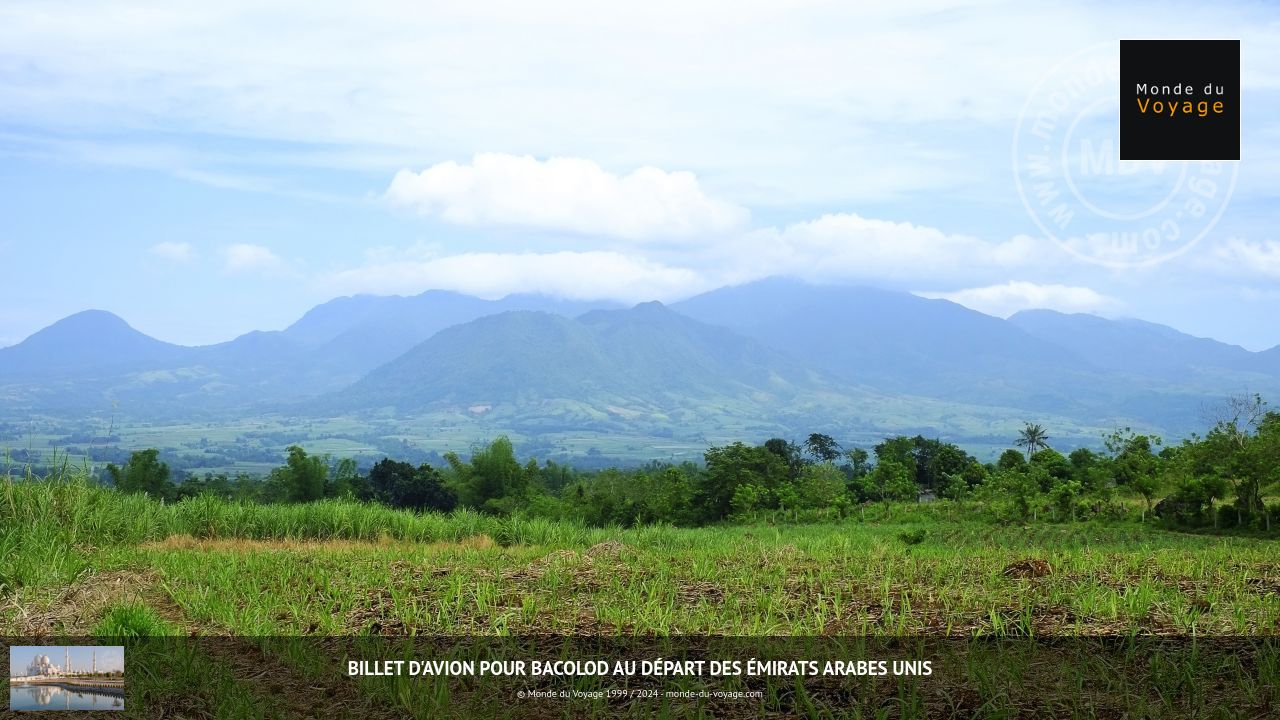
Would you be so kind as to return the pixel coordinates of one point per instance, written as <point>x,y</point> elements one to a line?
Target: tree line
<point>1216,480</point>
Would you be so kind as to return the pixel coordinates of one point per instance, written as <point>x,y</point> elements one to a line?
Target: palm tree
<point>1033,437</point>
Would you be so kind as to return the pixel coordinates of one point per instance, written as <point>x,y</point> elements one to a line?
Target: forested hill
<point>643,360</point>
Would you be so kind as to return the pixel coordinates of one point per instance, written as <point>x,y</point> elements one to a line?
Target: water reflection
<point>43,694</point>
<point>57,697</point>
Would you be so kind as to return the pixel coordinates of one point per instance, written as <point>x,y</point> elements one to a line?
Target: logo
<point>1180,99</point>
<point>1075,186</point>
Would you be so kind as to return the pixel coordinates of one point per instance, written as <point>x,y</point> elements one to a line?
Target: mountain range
<point>94,358</point>
<point>775,355</point>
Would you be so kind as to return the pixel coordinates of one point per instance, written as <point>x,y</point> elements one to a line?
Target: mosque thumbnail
<point>42,666</point>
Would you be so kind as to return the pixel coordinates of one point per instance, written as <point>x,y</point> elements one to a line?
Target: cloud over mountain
<point>567,194</point>
<point>1008,298</point>
<point>592,275</point>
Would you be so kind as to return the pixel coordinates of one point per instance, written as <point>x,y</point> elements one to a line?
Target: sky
<point>206,169</point>
<point>110,657</point>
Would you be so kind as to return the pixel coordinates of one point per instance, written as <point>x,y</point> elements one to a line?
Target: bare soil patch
<point>1027,568</point>
<point>82,604</point>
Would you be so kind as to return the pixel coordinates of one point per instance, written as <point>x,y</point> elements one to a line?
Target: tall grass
<point>47,526</point>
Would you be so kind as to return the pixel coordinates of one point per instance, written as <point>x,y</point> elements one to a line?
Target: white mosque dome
<point>42,665</point>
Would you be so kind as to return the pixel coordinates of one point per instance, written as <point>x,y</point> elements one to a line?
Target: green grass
<point>797,581</point>
<point>335,568</point>
<point>51,529</point>
<point>919,573</point>
<point>130,620</point>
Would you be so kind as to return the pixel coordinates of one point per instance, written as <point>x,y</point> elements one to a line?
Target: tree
<point>954,487</point>
<point>1033,437</point>
<point>347,482</point>
<point>217,485</point>
<point>1238,456</point>
<point>789,452</point>
<point>1266,442</point>
<point>1054,468</point>
<point>1064,497</point>
<point>670,495</point>
<point>304,477</point>
<point>1193,498</point>
<point>1135,466</point>
<point>974,473</point>
<point>493,481</point>
<point>937,460</point>
<point>822,447</point>
<point>425,490</point>
<point>555,476</point>
<point>1019,489</point>
<point>1089,469</point>
<point>899,450</point>
<point>1250,434</point>
<point>385,478</point>
<point>731,466</point>
<point>143,473</point>
<point>747,500</point>
<point>1011,460</point>
<point>859,462</point>
<point>893,482</point>
<point>822,486</point>
<point>787,498</point>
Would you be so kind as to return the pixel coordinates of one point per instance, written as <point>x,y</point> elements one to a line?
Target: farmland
<point>253,443</point>
<point>88,560</point>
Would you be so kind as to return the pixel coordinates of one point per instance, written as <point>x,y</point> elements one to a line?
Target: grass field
<point>336,567</point>
<point>86,560</point>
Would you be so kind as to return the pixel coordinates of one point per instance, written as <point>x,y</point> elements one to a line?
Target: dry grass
<point>79,606</point>
<point>248,546</point>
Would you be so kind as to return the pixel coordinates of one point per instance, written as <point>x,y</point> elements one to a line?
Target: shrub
<point>914,536</point>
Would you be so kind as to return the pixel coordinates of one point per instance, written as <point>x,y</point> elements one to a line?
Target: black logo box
<point>1187,68</point>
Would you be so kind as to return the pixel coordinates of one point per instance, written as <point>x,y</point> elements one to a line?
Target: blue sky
<point>110,657</point>
<point>206,169</point>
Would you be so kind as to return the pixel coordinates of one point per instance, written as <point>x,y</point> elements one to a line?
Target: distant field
<point>201,447</point>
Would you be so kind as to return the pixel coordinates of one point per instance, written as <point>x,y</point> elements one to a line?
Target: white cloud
<point>808,98</point>
<point>592,275</point>
<point>179,252</point>
<point>563,193</point>
<point>1237,256</point>
<point>832,248</point>
<point>244,257</point>
<point>1008,298</point>
<point>847,246</point>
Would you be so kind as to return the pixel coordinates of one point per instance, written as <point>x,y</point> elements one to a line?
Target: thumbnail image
<point>44,677</point>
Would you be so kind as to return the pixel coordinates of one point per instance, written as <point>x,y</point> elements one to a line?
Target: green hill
<point>645,360</point>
